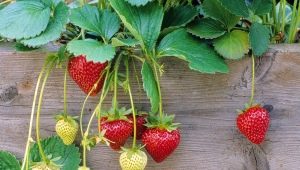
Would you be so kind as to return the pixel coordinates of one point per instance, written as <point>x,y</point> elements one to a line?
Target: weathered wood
<point>204,104</point>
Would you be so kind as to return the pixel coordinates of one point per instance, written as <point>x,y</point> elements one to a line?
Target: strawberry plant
<point>97,38</point>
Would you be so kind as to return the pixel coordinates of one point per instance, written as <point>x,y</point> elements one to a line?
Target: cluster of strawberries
<point>160,139</point>
<point>159,136</point>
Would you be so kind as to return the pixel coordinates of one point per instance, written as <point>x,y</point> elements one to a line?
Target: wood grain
<point>204,104</point>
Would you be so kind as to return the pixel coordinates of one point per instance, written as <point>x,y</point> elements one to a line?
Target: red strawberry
<point>117,131</point>
<point>160,143</point>
<point>140,127</point>
<point>86,73</point>
<point>162,137</point>
<point>254,123</point>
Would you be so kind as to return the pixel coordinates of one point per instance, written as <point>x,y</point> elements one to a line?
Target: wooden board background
<point>204,104</point>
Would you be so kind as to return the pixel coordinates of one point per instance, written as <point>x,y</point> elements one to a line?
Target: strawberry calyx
<point>83,168</point>
<point>131,151</point>
<point>43,165</point>
<point>164,123</point>
<point>94,140</point>
<point>247,107</point>
<point>142,113</point>
<point>111,114</point>
<point>67,118</point>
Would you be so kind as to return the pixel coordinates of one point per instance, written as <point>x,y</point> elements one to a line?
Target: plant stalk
<point>252,81</point>
<point>159,89</point>
<point>84,103</point>
<point>41,151</point>
<point>6,1</point>
<point>103,94</point>
<point>294,22</point>
<point>132,105</point>
<point>283,4</point>
<point>116,71</point>
<point>275,17</point>
<point>65,93</point>
<point>26,154</point>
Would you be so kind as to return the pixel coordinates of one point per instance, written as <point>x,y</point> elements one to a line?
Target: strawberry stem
<point>252,81</point>
<point>159,89</point>
<point>41,151</point>
<point>26,154</point>
<point>101,4</point>
<point>103,94</point>
<point>85,100</point>
<point>65,93</point>
<point>6,1</point>
<point>84,155</point>
<point>137,80</point>
<point>98,107</point>
<point>116,70</point>
<point>102,97</point>
<point>132,105</point>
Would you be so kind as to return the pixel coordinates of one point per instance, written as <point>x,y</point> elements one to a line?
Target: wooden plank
<point>204,104</point>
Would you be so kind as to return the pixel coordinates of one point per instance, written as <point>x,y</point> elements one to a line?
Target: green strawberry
<point>44,166</point>
<point>66,128</point>
<point>133,159</point>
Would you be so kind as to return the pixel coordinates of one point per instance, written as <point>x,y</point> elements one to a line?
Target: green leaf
<point>143,22</point>
<point>214,9</point>
<point>233,45</point>
<point>178,17</point>
<point>207,28</point>
<point>24,19</point>
<point>68,157</point>
<point>53,30</point>
<point>138,2</point>
<point>259,38</point>
<point>199,55</point>
<point>8,161</point>
<point>260,7</point>
<point>2,6</point>
<point>129,42</point>
<point>21,47</point>
<point>102,22</point>
<point>237,7</point>
<point>150,86</point>
<point>92,49</point>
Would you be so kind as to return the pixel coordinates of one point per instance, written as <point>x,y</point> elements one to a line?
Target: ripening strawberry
<point>86,73</point>
<point>254,123</point>
<point>161,138</point>
<point>160,143</point>
<point>66,128</point>
<point>133,160</point>
<point>117,131</point>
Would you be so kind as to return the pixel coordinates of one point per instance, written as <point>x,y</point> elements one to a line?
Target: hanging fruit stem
<point>98,107</point>
<point>41,151</point>
<point>85,100</point>
<point>116,71</point>
<point>101,4</point>
<point>252,81</point>
<point>25,163</point>
<point>6,1</point>
<point>157,77</point>
<point>102,97</point>
<point>132,105</point>
<point>65,93</point>
<point>103,94</point>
